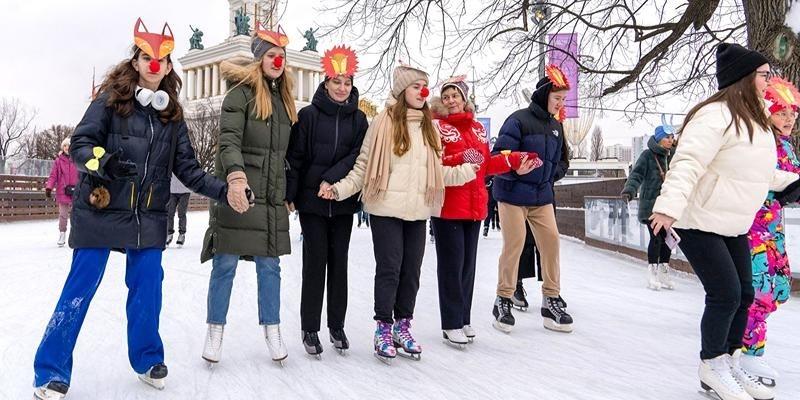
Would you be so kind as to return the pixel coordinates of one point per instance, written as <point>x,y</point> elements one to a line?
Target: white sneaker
<point>455,337</point>
<point>756,366</point>
<point>212,351</point>
<point>664,277</point>
<point>652,277</point>
<point>51,391</point>
<point>277,349</point>
<point>469,332</point>
<point>62,238</point>
<point>749,382</point>
<point>716,375</point>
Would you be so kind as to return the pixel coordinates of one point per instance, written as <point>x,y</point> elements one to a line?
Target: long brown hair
<point>743,102</point>
<point>120,85</point>
<point>400,137</point>
<point>253,75</point>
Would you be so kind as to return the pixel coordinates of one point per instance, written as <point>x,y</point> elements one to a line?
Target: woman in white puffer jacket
<point>717,181</point>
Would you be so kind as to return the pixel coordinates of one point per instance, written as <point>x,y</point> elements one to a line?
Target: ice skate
<point>312,344</point>
<point>469,332</point>
<point>555,318</point>
<point>181,239</point>
<point>665,278</point>
<point>51,391</point>
<point>384,348</point>
<point>455,338</point>
<point>277,349</point>
<point>169,238</point>
<point>717,381</point>
<point>404,341</point>
<point>751,384</point>
<point>155,376</point>
<point>503,319</point>
<point>339,340</point>
<point>62,238</point>
<point>652,277</point>
<point>518,299</point>
<point>756,366</point>
<point>212,351</point>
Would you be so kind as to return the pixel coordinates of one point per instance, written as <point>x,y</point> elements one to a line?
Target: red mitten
<point>473,156</point>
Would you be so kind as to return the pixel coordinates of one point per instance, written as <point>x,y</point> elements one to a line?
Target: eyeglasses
<point>765,74</point>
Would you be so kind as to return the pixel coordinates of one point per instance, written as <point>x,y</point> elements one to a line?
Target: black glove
<point>48,193</point>
<point>116,168</point>
<point>789,195</point>
<point>626,196</point>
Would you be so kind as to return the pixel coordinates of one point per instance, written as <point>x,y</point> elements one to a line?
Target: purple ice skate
<point>384,350</point>
<point>404,341</point>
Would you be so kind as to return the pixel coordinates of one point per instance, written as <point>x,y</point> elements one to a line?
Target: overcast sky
<point>51,46</point>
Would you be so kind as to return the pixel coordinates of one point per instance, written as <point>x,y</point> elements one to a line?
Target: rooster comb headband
<point>340,60</point>
<point>557,77</point>
<point>781,94</point>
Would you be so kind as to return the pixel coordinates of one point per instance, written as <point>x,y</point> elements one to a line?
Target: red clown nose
<point>277,62</point>
<point>424,92</point>
<point>155,66</point>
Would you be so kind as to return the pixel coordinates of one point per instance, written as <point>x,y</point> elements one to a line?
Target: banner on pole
<point>563,53</point>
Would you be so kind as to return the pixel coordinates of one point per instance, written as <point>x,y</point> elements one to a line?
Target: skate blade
<point>456,345</point>
<point>708,392</point>
<point>505,328</point>
<point>471,339</point>
<point>521,308</point>
<point>47,395</point>
<point>384,359</point>
<point>342,352</point>
<point>766,381</point>
<point>156,383</point>
<point>210,360</point>
<point>555,327</point>
<point>409,356</point>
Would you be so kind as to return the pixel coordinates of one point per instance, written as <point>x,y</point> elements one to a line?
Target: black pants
<point>657,251</point>
<point>456,252</point>
<point>179,201</point>
<point>493,218</point>
<point>399,246</point>
<point>723,266</point>
<point>325,244</point>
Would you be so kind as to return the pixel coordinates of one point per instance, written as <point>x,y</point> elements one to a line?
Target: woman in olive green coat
<point>648,173</point>
<point>257,114</point>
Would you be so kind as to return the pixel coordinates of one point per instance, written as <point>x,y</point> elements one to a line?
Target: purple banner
<point>567,43</point>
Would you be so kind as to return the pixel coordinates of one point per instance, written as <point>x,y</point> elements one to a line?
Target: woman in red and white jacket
<point>458,226</point>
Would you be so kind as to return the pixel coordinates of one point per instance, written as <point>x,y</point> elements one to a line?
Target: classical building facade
<point>203,82</point>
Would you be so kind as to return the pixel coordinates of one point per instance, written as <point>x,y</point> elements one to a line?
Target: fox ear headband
<point>155,45</point>
<point>265,40</point>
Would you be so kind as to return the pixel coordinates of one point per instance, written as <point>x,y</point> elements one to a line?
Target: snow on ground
<point>629,342</point>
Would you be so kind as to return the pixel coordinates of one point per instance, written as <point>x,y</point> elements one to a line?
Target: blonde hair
<point>65,142</point>
<point>252,75</point>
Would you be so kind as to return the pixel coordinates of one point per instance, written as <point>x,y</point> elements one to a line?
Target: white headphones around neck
<point>146,97</point>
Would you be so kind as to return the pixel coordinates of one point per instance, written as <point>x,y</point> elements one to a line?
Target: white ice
<point>629,342</point>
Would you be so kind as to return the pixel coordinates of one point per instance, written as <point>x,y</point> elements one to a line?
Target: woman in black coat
<point>323,148</point>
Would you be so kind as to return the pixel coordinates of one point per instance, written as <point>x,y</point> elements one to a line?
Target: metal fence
<point>26,166</point>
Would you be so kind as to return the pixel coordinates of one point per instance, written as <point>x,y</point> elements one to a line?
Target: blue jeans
<point>268,275</point>
<point>143,276</point>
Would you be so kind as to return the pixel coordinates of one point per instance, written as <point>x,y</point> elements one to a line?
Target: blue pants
<point>268,276</point>
<point>143,276</point>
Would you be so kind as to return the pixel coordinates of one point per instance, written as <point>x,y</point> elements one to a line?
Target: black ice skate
<point>518,299</point>
<point>312,344</point>
<point>339,340</point>
<point>503,320</point>
<point>555,318</point>
<point>51,391</point>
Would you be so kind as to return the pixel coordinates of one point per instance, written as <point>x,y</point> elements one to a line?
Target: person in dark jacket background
<point>323,148</point>
<point>648,174</point>
<point>126,147</point>
<point>528,200</point>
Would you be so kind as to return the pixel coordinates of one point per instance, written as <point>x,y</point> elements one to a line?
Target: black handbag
<point>69,190</point>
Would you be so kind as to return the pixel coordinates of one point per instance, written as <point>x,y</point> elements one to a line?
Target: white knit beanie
<point>404,76</point>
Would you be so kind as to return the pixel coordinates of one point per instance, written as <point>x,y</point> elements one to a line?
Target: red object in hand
<point>277,62</point>
<point>155,66</point>
<point>424,92</point>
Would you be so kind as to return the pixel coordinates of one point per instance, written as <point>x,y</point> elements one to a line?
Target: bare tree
<point>643,49</point>
<point>203,127</point>
<point>16,122</point>
<point>596,147</point>
<point>46,144</point>
<point>576,131</point>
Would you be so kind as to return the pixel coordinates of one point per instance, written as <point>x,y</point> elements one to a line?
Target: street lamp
<point>540,12</point>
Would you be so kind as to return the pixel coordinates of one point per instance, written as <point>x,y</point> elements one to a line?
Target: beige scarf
<point>380,157</point>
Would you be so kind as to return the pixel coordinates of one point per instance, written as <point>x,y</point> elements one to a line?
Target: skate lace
<point>741,372</point>
<point>505,306</point>
<point>555,306</point>
<point>275,338</point>
<point>386,334</point>
<point>403,330</point>
<point>214,333</point>
<point>312,337</point>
